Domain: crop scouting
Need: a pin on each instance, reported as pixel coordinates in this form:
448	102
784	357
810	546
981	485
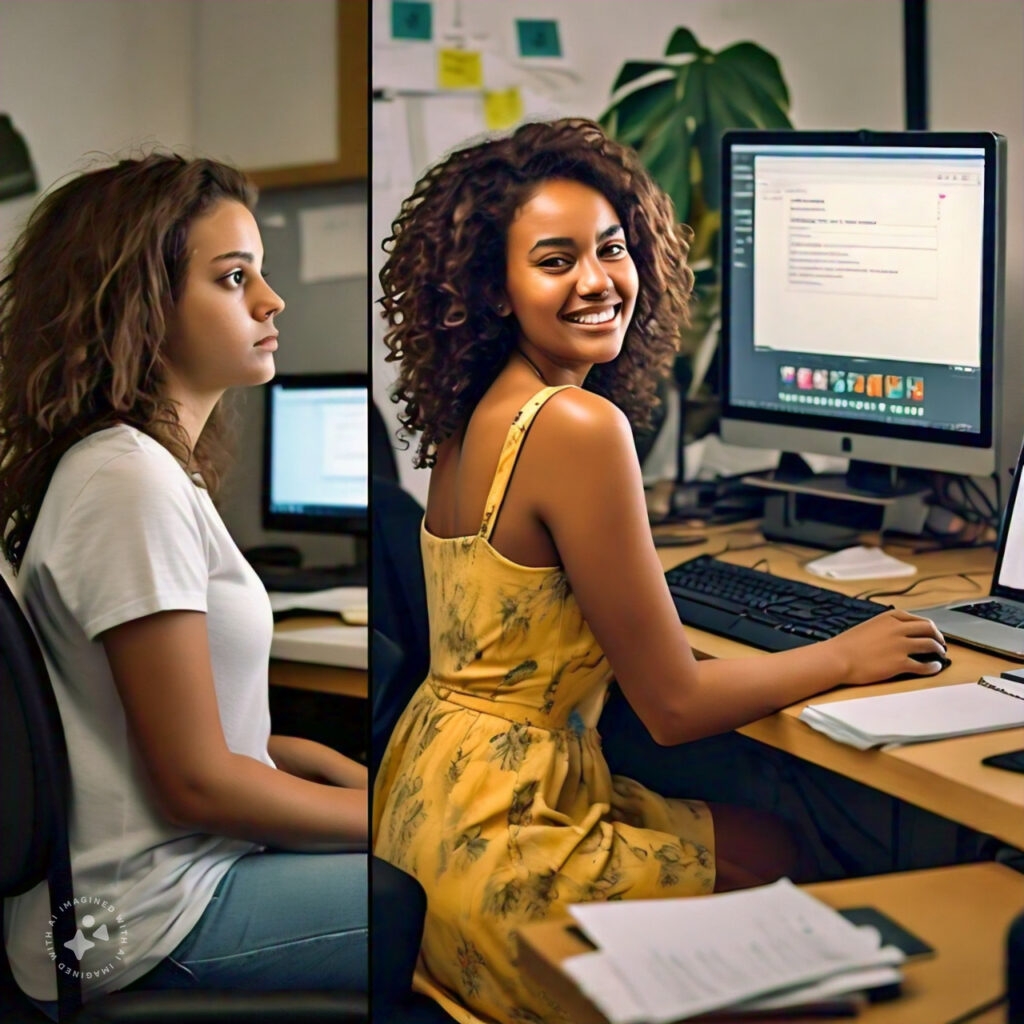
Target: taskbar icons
847	389
852	404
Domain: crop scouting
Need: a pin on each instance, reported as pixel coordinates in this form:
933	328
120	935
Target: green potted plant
673	113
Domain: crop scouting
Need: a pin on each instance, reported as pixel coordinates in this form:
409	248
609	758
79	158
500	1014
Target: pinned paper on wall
392	161
459	69
538	37
446	122
411	19
332	242
503	108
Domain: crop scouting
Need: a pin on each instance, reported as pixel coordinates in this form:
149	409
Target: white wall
842	60
76	79
976	83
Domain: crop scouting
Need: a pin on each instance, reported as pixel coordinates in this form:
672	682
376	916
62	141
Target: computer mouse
927	656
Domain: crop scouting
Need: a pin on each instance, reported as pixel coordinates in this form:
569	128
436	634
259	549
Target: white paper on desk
681	957
333	601
333	242
859	563
341	646
916	716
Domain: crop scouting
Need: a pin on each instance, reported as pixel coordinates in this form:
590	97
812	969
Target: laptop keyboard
995	611
757	608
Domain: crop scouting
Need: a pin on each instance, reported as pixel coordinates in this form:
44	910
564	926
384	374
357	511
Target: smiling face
223	332
570	281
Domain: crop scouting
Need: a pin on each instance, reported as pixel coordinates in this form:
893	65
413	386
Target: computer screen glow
319	455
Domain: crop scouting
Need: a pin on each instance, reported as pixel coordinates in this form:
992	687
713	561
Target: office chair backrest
35	782
401	646
382	452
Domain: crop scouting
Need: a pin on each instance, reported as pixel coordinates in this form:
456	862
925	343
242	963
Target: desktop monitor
862	290
315	466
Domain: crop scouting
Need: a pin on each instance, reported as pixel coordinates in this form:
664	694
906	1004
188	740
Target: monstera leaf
673	113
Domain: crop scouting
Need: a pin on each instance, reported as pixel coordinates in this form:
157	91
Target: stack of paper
933	713
859	563
773	947
337	600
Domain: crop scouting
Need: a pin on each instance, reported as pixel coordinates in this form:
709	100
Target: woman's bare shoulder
578	415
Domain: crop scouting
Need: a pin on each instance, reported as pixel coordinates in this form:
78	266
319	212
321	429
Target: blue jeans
277	921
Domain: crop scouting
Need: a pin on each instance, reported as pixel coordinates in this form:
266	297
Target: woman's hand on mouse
882	647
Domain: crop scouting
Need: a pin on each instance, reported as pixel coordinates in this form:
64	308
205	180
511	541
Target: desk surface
345	681
946	776
963	912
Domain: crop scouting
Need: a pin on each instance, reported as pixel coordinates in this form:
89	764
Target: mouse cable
978	1010
870	594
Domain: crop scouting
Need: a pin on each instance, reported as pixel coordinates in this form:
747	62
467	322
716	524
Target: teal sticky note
538	38
411	19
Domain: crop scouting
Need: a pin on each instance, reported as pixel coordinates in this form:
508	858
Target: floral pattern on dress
494	791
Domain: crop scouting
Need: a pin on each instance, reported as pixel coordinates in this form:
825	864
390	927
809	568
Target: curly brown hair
447	264
85	302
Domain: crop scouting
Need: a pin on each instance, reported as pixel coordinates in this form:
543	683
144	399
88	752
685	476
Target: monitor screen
315	466
860	294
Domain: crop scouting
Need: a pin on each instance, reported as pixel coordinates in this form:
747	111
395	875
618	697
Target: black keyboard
995	611
297	580
757	608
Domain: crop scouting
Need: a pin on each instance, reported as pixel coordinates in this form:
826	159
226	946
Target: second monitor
862	278
315	470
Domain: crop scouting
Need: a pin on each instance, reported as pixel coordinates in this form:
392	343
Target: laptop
994	623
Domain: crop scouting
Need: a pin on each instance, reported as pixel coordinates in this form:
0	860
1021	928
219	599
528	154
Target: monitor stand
831	510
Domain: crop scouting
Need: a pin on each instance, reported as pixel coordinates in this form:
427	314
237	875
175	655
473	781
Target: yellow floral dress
494	792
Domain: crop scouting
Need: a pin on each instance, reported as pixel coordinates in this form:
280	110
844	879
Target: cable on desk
868	595
978	1010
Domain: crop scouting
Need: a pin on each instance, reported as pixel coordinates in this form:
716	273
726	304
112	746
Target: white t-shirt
123	532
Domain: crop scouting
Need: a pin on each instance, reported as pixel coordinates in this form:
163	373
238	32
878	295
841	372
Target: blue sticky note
538	38
411	19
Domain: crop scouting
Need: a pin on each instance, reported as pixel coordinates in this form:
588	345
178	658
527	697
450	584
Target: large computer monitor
862	292
315	465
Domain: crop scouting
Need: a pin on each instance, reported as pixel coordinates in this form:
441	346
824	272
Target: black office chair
401	643
382	452
400	656
34	787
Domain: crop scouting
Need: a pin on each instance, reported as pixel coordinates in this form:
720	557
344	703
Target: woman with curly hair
534	291
132	301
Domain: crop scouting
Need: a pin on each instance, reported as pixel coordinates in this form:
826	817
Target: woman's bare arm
161	666
316	762
581	468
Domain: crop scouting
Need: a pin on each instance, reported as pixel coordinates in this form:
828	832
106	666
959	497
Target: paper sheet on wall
392	161
446	122
333	242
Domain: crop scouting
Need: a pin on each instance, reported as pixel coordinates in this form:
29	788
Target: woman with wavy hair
132	301
534	289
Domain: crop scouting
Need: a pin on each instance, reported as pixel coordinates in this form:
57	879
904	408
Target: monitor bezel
844	435
351	520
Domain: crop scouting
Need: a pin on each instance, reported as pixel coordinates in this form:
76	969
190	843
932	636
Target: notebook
994	622
934	713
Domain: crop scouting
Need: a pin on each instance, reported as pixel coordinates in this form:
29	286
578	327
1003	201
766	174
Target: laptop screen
1009	573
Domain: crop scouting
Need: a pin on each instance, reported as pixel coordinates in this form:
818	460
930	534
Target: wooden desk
963	912
945	777
303	675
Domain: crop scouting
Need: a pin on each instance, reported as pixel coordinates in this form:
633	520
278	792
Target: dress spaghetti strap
510	453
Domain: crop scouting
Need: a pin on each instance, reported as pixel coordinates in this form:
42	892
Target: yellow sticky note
503	109
459	69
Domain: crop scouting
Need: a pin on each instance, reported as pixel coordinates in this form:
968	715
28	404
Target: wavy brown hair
446	269
85	302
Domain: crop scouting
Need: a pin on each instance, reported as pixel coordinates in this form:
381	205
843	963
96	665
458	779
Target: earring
501	309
